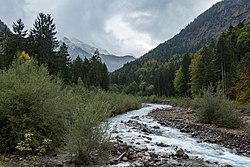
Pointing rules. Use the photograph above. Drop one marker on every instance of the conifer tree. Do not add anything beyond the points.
(63, 62)
(77, 70)
(44, 41)
(18, 28)
(98, 73)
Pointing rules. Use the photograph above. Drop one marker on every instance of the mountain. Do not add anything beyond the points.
(79, 48)
(206, 27)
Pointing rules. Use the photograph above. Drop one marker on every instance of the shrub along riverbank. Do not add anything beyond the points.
(212, 108)
(38, 114)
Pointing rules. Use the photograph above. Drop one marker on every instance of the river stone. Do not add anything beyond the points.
(156, 127)
(125, 159)
(185, 156)
(138, 164)
(165, 155)
(162, 144)
(180, 153)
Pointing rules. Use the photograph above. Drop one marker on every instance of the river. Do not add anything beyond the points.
(170, 136)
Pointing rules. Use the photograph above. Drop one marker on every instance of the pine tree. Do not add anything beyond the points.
(44, 42)
(185, 70)
(77, 70)
(63, 63)
(18, 28)
(105, 77)
(12, 43)
(98, 73)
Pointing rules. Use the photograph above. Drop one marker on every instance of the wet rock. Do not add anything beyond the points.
(137, 164)
(135, 117)
(149, 138)
(185, 156)
(165, 156)
(180, 153)
(156, 127)
(145, 129)
(228, 166)
(161, 144)
(125, 159)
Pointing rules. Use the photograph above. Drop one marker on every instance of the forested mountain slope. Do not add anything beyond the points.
(201, 31)
(205, 27)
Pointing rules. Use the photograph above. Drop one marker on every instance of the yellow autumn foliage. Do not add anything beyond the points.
(25, 55)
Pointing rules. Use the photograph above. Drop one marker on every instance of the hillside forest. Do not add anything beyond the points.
(223, 64)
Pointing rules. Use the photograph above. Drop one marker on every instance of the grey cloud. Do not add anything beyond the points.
(11, 10)
(167, 17)
(87, 19)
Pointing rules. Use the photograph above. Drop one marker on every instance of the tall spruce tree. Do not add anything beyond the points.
(44, 41)
(18, 28)
(185, 70)
(98, 72)
(77, 70)
(63, 63)
(12, 42)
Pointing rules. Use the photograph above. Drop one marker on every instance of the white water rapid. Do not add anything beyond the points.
(172, 137)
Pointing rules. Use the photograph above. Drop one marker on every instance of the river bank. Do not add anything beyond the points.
(185, 120)
(150, 136)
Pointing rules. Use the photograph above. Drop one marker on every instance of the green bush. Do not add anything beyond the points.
(32, 102)
(88, 137)
(121, 103)
(213, 108)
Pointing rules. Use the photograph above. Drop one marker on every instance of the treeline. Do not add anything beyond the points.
(224, 64)
(41, 43)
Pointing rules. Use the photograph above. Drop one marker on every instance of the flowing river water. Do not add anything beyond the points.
(172, 137)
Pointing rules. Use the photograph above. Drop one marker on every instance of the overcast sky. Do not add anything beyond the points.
(120, 26)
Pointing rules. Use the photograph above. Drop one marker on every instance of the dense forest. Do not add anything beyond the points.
(41, 43)
(205, 28)
(224, 63)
